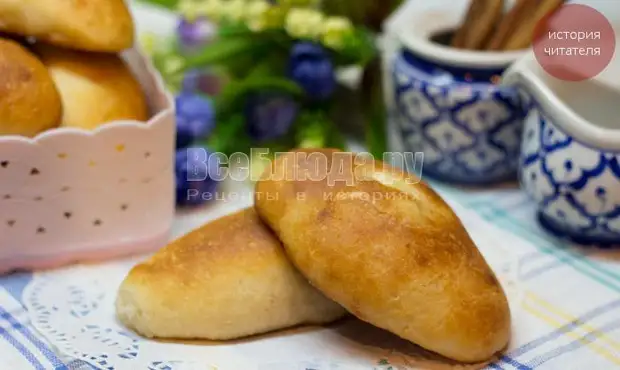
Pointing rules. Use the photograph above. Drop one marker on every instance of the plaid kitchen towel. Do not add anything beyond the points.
(21, 347)
(568, 311)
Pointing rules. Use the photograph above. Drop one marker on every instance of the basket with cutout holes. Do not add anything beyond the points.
(72, 195)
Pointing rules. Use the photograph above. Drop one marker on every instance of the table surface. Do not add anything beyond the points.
(567, 316)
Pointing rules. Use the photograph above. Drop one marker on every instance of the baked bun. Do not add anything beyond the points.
(95, 88)
(92, 25)
(226, 280)
(29, 101)
(388, 249)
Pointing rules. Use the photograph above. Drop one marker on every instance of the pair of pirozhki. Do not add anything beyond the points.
(374, 242)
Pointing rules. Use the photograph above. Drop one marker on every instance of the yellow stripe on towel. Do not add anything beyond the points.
(572, 333)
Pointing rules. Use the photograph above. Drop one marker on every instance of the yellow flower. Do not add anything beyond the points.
(188, 9)
(234, 10)
(304, 23)
(258, 15)
(212, 9)
(300, 3)
(173, 64)
(261, 15)
(148, 40)
(335, 31)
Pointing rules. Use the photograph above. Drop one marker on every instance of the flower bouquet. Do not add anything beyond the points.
(268, 74)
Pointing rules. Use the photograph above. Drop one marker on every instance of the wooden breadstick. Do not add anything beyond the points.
(458, 40)
(510, 22)
(480, 20)
(485, 24)
(524, 37)
(516, 30)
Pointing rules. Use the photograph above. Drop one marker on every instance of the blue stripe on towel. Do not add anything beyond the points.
(56, 362)
(15, 283)
(566, 328)
(574, 345)
(23, 350)
(516, 364)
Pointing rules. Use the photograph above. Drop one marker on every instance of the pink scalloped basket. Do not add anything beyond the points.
(72, 195)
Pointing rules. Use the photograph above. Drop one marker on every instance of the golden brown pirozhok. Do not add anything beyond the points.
(29, 100)
(93, 25)
(392, 253)
(226, 280)
(95, 88)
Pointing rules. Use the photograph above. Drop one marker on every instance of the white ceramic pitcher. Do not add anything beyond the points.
(570, 155)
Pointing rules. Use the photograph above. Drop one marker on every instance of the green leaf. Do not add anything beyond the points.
(259, 63)
(239, 50)
(223, 50)
(239, 63)
(268, 66)
(234, 30)
(315, 130)
(229, 135)
(239, 66)
(169, 4)
(281, 39)
(375, 112)
(336, 140)
(227, 98)
(311, 135)
(375, 130)
(234, 91)
(282, 144)
(172, 80)
(359, 49)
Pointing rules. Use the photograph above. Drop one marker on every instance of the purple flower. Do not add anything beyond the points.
(195, 118)
(202, 81)
(270, 115)
(191, 81)
(194, 169)
(193, 35)
(311, 67)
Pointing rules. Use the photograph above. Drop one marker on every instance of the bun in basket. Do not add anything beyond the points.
(229, 279)
(388, 249)
(95, 88)
(92, 25)
(29, 101)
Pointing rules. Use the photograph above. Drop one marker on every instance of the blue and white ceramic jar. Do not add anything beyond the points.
(570, 160)
(447, 104)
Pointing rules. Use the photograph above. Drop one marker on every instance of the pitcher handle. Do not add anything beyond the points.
(520, 77)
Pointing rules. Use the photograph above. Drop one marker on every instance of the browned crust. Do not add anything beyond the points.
(96, 88)
(92, 25)
(401, 261)
(226, 280)
(29, 100)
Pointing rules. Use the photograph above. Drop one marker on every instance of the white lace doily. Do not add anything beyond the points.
(73, 308)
